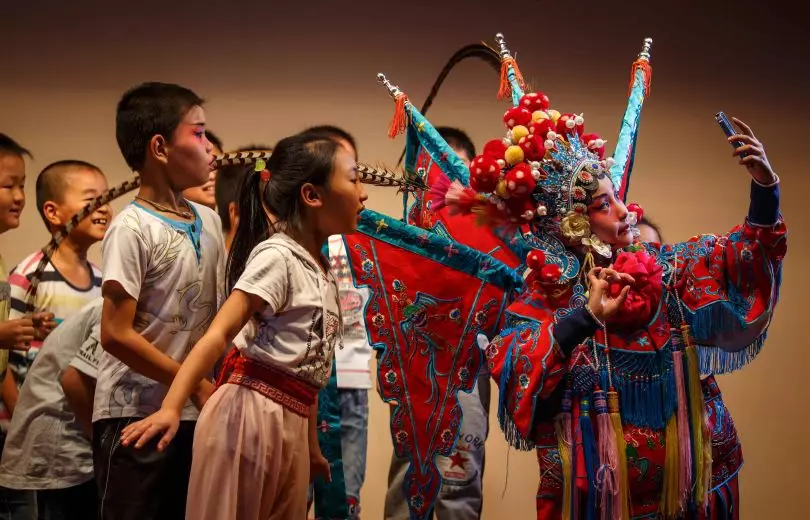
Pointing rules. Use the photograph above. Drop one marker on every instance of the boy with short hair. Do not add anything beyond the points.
(69, 280)
(163, 283)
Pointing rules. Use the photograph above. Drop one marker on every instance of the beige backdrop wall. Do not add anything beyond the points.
(270, 70)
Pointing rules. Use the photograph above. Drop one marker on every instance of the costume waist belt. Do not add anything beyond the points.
(290, 392)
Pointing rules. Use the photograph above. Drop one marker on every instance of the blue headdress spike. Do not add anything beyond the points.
(511, 78)
(421, 133)
(624, 153)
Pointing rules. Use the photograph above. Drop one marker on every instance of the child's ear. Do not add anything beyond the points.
(158, 148)
(311, 196)
(233, 215)
(51, 212)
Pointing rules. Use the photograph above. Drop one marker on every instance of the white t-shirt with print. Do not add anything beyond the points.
(354, 356)
(298, 330)
(175, 271)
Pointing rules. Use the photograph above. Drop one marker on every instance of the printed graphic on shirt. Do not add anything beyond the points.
(86, 360)
(462, 466)
(5, 292)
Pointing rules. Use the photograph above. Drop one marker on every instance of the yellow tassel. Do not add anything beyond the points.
(701, 437)
(616, 420)
(669, 493)
(565, 458)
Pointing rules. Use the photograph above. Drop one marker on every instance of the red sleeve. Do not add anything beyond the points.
(729, 286)
(528, 364)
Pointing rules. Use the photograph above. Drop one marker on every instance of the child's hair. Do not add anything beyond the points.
(9, 146)
(457, 139)
(332, 132)
(52, 181)
(647, 222)
(296, 160)
(147, 110)
(214, 140)
(229, 182)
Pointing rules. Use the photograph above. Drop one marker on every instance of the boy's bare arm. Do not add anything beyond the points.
(120, 339)
(79, 391)
(10, 393)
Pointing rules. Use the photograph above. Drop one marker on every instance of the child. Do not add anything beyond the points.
(204, 194)
(163, 259)
(461, 496)
(19, 332)
(16, 333)
(353, 372)
(256, 446)
(48, 447)
(69, 280)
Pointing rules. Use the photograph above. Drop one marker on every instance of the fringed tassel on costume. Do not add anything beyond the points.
(684, 435)
(621, 448)
(590, 454)
(608, 473)
(701, 438)
(643, 65)
(562, 425)
(400, 120)
(505, 87)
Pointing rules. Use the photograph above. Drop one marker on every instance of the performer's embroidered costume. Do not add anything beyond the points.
(622, 424)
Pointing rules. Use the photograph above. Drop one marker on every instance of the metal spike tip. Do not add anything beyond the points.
(392, 89)
(645, 50)
(502, 44)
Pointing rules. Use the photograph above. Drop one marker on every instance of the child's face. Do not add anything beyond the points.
(81, 187)
(204, 194)
(343, 196)
(189, 154)
(12, 191)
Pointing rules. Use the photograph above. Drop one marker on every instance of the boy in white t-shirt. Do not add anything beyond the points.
(163, 265)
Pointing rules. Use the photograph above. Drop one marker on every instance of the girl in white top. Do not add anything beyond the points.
(255, 446)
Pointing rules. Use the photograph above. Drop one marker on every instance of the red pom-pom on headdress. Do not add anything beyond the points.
(495, 149)
(484, 173)
(534, 101)
(517, 116)
(519, 181)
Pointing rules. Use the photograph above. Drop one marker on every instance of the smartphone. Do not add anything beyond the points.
(729, 130)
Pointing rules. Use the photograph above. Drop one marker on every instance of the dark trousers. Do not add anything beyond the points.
(141, 484)
(73, 503)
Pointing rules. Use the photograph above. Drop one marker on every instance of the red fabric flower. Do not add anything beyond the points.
(645, 293)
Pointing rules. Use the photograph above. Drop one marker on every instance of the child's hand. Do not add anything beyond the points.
(319, 467)
(202, 394)
(16, 334)
(43, 323)
(144, 430)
